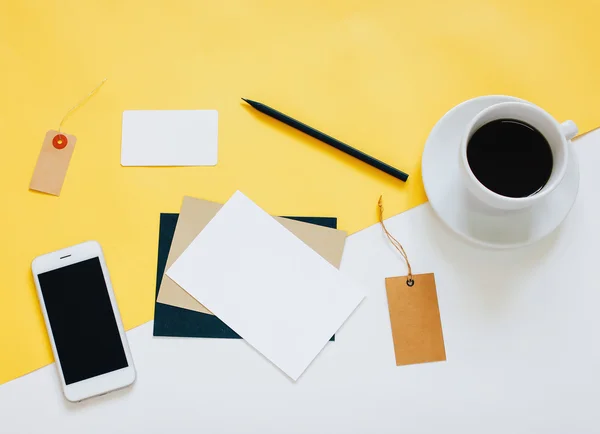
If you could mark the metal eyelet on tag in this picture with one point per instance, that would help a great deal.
(60, 141)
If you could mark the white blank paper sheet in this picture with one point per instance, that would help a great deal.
(169, 138)
(277, 293)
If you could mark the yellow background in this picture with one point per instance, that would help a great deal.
(375, 74)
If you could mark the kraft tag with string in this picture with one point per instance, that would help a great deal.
(414, 312)
(55, 156)
(51, 168)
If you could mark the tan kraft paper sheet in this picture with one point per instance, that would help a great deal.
(195, 215)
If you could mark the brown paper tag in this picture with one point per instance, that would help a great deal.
(415, 318)
(53, 162)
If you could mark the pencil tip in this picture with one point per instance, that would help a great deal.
(246, 100)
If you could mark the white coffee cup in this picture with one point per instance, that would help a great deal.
(557, 135)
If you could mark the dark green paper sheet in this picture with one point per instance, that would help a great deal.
(178, 322)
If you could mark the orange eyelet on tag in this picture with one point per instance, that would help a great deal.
(59, 141)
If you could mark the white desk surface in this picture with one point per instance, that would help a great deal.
(521, 330)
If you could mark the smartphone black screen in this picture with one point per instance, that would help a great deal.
(82, 320)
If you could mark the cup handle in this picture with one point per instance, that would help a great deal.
(569, 129)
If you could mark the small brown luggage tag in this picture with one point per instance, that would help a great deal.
(414, 312)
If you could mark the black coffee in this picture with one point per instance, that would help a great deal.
(510, 158)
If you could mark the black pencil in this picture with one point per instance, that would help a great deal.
(329, 140)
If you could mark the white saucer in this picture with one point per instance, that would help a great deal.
(468, 217)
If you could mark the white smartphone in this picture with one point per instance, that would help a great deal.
(82, 318)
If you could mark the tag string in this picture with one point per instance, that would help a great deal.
(409, 281)
(80, 103)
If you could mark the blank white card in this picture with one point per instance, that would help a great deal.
(169, 138)
(273, 290)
